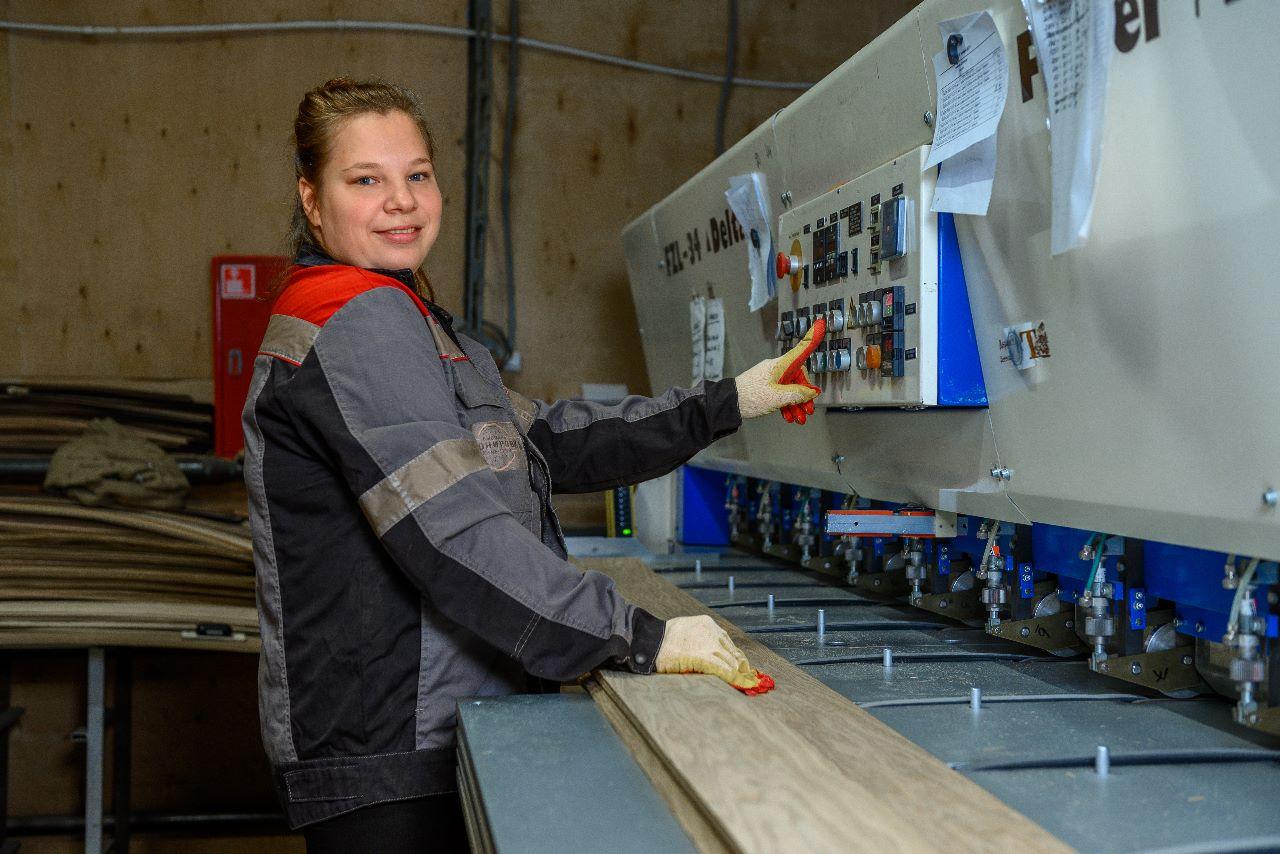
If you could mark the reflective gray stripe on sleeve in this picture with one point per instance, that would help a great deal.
(419, 480)
(289, 338)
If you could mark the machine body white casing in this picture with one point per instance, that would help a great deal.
(1156, 415)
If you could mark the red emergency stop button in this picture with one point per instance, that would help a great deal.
(787, 264)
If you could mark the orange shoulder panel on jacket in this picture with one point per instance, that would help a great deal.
(315, 294)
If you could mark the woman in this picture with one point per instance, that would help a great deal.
(406, 551)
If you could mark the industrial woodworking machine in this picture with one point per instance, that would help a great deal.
(1074, 456)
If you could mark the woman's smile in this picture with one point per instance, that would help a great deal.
(401, 234)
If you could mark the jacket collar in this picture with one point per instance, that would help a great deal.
(311, 255)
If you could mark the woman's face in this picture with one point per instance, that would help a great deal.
(377, 204)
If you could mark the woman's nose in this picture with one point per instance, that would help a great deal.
(401, 197)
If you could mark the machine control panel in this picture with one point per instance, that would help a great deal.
(881, 342)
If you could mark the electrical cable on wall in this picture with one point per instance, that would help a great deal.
(508, 141)
(479, 107)
(730, 66)
(479, 103)
(257, 28)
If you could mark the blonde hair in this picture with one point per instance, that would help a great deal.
(323, 112)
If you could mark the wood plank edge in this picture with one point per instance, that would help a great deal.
(701, 828)
(638, 582)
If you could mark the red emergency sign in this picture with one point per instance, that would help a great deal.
(239, 281)
(242, 302)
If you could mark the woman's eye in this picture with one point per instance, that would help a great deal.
(419, 176)
(365, 180)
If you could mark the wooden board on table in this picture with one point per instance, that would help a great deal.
(121, 574)
(55, 430)
(697, 823)
(177, 391)
(68, 583)
(109, 398)
(53, 543)
(800, 768)
(229, 498)
(38, 624)
(32, 587)
(115, 593)
(132, 613)
(38, 418)
(58, 555)
(76, 637)
(228, 538)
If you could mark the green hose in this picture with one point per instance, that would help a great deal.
(1100, 545)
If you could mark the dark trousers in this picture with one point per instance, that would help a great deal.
(432, 824)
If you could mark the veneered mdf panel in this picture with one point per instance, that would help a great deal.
(129, 162)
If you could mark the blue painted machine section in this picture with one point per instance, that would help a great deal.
(1191, 579)
(703, 520)
(1057, 552)
(1137, 609)
(960, 380)
(968, 543)
(1026, 579)
(1188, 576)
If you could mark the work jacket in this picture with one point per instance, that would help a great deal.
(406, 552)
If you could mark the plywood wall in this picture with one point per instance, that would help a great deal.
(127, 163)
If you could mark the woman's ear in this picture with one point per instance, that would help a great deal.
(307, 195)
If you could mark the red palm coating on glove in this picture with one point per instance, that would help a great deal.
(794, 375)
(794, 372)
(764, 686)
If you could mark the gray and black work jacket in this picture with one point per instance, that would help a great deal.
(406, 552)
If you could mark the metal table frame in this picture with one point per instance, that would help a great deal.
(117, 824)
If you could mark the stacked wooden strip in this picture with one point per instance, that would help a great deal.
(74, 575)
(798, 769)
(38, 418)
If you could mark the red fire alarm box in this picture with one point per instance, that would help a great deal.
(242, 297)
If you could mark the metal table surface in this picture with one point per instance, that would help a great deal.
(547, 773)
(1183, 776)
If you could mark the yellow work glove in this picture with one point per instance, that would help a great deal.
(699, 645)
(782, 383)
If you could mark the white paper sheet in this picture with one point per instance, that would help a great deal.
(971, 93)
(713, 363)
(1074, 44)
(698, 329)
(748, 197)
(965, 179)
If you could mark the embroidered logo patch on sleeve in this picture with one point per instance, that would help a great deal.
(500, 444)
